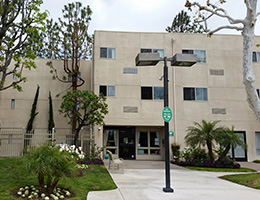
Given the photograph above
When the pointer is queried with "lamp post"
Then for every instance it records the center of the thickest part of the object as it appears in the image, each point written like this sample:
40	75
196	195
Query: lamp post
182	60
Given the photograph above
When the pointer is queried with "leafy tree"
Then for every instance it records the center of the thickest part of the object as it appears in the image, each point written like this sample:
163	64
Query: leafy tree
68	40
182	24
204	134
247	27
228	139
51	123
21	24
50	164
91	109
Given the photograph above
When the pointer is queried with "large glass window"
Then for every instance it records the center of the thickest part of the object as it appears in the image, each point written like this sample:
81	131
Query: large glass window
103	90
143	139
154	139
257	141
111	138
195	94
12	104
107	52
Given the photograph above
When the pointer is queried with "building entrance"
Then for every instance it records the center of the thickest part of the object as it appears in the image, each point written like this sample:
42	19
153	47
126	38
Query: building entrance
127	143
239	153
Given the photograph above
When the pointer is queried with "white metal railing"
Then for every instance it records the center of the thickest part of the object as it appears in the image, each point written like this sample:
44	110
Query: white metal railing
13	143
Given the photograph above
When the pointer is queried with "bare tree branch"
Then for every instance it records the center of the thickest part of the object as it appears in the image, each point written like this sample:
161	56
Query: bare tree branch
226	27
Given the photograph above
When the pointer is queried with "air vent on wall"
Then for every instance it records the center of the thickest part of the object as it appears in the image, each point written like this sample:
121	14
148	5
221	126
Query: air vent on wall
217	72
130	109
219	111
130	70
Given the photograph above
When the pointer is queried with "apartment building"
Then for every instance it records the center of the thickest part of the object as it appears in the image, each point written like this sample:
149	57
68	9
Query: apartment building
212	89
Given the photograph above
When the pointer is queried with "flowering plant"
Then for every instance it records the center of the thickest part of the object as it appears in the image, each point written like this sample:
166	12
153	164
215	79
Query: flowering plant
73	150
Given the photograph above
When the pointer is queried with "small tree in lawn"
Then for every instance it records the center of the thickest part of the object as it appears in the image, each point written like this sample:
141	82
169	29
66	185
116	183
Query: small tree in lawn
91	109
247	27
21	26
183	24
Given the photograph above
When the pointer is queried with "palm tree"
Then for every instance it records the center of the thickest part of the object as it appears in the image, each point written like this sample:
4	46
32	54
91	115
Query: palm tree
204	134
228	139
182	24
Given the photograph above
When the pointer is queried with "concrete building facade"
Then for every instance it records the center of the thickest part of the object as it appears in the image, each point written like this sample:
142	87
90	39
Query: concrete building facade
212	90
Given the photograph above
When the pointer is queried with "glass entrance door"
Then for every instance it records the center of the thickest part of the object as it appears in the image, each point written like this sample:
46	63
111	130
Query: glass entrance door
239	153
127	143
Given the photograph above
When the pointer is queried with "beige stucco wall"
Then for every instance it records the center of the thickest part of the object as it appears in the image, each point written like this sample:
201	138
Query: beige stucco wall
18	117
222	52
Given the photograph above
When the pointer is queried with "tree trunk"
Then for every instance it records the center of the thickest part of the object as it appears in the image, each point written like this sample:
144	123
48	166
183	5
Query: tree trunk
74	88
41	180
248	74
224	153
209	145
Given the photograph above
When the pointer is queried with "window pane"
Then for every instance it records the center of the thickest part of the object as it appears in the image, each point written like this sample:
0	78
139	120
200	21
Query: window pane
258	56
111	91
189	94
155	152
257	140
103	90
13	104
111	138
146	93
154	139
142	151
201	55
201	94
103	52
111	53
187	51
254	57
142	139
158	93
160	51
146	50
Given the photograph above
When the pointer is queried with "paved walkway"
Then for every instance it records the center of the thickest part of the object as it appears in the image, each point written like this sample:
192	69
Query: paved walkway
144	180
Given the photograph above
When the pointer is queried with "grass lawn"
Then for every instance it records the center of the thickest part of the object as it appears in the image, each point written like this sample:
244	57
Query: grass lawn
13	175
208	169
249	180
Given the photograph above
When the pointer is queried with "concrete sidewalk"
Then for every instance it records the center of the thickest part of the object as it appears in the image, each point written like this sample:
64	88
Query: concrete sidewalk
146	184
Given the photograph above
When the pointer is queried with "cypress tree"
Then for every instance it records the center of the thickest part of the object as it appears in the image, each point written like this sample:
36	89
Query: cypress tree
51	120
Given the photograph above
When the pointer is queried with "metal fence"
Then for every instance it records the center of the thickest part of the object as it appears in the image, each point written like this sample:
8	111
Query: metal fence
14	143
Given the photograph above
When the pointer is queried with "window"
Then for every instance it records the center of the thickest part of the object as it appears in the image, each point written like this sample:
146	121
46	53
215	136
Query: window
149	143
158	92
150	93
13	104
256	56
10	139
70	77
14	74
201	54
160	51
257	140
146	93
107	52
111	138
195	94
107	90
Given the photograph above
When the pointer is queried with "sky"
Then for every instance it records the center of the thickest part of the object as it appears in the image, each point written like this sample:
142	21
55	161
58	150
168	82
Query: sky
143	15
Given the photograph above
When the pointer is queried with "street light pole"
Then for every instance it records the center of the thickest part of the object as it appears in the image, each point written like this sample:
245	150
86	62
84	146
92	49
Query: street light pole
166	130
181	60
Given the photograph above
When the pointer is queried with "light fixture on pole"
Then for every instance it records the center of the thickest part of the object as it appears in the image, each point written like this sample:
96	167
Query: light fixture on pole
182	60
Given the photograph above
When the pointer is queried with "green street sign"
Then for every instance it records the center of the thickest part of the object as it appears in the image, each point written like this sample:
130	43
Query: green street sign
167	114
171	133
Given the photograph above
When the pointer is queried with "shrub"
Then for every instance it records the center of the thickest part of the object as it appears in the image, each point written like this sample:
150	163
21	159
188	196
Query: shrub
175	151
256	161
50	164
